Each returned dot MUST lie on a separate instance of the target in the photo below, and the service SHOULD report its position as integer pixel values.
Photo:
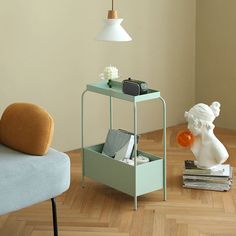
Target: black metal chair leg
(54, 215)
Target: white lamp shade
(113, 31)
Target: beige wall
(216, 57)
(48, 54)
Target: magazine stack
(219, 180)
(120, 146)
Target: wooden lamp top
(112, 14)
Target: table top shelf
(116, 92)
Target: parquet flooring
(98, 210)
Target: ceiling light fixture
(112, 30)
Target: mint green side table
(133, 180)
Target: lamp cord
(112, 4)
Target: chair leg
(54, 215)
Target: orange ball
(185, 138)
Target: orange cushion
(27, 128)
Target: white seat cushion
(26, 179)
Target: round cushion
(27, 128)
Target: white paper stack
(218, 180)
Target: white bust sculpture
(209, 152)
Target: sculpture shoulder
(209, 153)
(218, 150)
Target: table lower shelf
(121, 176)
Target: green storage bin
(121, 176)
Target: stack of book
(218, 180)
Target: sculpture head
(201, 116)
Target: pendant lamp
(112, 29)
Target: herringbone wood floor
(98, 210)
